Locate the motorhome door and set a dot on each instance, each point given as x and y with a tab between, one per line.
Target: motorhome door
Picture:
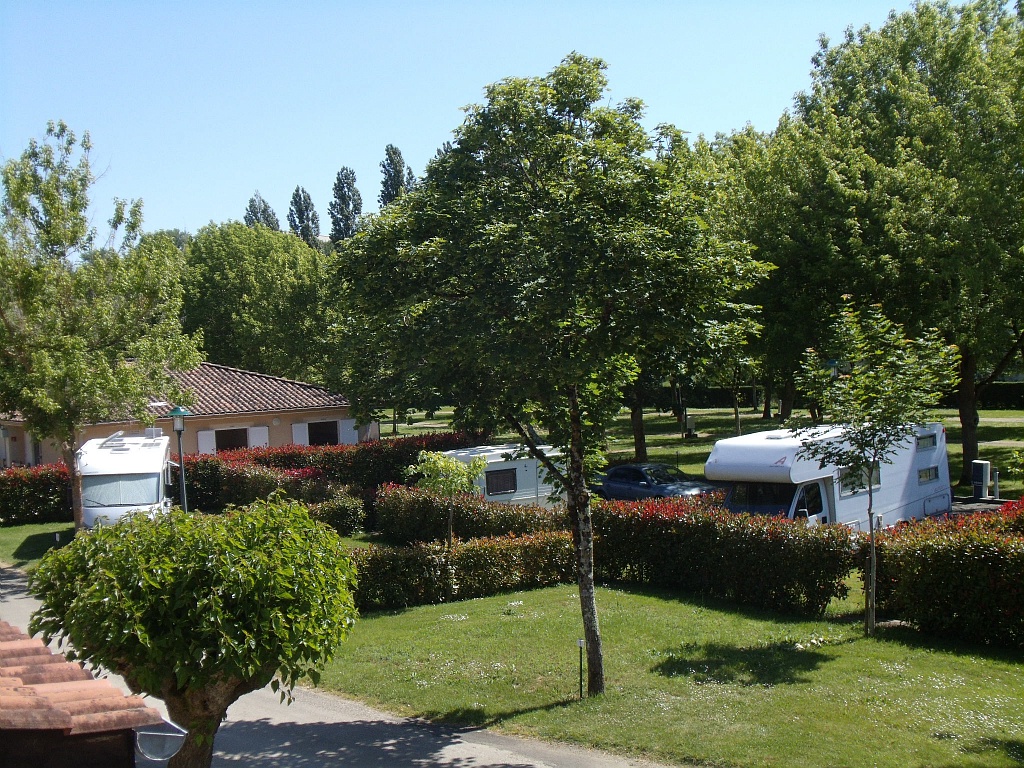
811	504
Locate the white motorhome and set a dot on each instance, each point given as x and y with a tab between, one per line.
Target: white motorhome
123	473
764	473
511	475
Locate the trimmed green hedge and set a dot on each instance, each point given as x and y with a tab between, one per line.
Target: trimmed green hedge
406	515
35	495
427	573
343	513
961	577
694	545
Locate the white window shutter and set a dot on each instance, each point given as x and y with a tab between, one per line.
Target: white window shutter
347	432
300	434
207	441
259	437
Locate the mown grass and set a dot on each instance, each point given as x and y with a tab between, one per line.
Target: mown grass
693	682
23	545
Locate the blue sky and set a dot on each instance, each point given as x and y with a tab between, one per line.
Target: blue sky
192	106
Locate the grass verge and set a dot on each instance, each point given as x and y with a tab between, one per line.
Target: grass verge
23	545
691	682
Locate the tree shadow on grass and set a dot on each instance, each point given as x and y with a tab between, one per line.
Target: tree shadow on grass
899	633
481	717
1012	748
36	545
774	664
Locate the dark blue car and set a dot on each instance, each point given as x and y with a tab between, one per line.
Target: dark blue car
633	482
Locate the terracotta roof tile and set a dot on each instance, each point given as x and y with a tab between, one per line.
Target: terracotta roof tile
41	690
219	390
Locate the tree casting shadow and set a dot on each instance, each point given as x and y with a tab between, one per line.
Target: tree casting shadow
777	664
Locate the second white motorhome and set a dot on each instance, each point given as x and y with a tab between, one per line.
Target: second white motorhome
764	473
511	475
123	473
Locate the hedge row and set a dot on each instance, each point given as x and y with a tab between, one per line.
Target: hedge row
35	495
406	515
694	545
428	573
961	577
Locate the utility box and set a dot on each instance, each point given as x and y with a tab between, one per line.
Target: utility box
981	476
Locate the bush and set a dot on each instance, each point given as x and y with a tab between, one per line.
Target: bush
35	495
243	484
405	515
694	545
961	577
427	573
343	513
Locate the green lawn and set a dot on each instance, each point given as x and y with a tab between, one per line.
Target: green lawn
691	682
23	545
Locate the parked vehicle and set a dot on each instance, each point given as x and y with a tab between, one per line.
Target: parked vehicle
123	473
765	474
648	481
511	474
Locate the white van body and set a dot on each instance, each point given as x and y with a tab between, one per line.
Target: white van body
511	475
764	474
123	473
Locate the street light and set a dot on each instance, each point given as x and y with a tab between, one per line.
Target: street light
178	425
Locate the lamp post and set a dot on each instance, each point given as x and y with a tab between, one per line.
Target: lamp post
178	425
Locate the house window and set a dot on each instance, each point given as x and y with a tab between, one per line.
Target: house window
847	486
323	432
926	441
928	475
232	439
501	481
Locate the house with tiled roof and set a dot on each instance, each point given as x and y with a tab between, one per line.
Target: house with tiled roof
231	408
55	713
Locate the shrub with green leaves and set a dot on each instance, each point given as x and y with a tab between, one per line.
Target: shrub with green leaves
201	609
342	512
960	577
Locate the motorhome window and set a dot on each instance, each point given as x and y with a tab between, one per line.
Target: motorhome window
929	475
810	500
849	486
232	439
761	497
120	490
927	441
323	432
501	481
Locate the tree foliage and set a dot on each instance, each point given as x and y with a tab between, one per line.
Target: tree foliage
259	212
878	386
198	610
303	219
397	179
87	334
552	239
258	297
346	206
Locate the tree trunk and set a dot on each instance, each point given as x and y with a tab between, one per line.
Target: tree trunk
636	420
578	498
872	572
68	451
967	405
787	399
766	410
736	411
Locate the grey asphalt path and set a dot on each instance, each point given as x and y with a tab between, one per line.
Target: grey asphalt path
319	729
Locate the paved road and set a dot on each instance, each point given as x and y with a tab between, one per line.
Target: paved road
319	729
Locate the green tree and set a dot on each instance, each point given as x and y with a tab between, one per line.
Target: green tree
87	335
446	476
889	386
346	206
928	113
259	212
397	177
303	219
539	252
205	608
258	296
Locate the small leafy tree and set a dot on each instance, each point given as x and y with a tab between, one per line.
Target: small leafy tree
447	476
199	610
258	211
888	384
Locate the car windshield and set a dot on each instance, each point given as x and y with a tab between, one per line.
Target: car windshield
120	490
666	475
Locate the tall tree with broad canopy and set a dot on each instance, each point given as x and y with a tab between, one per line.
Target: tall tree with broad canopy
199	610
551	241
887	386
346	206
258	297
933	177
303	219
397	178
258	211
87	334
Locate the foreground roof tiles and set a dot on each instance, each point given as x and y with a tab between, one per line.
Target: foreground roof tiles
41	690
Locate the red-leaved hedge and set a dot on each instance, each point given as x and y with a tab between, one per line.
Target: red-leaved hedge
35	495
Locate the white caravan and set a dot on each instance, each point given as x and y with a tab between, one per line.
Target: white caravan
122	473
763	473
511	474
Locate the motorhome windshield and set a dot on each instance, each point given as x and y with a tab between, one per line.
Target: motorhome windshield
761	498
121	490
